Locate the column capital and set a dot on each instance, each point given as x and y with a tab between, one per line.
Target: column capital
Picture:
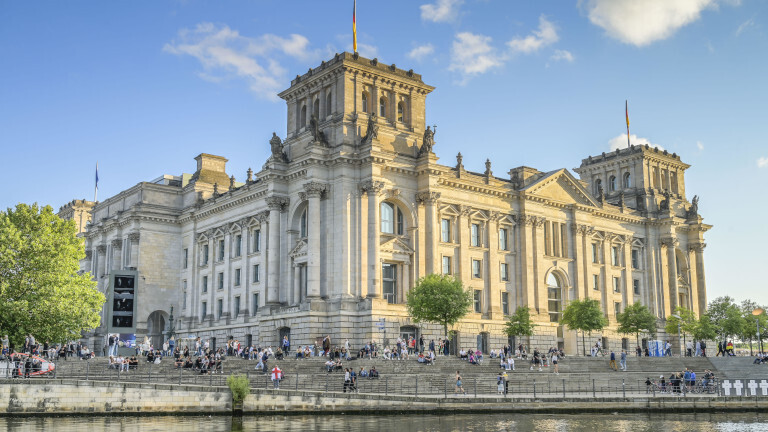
697	247
372	186
427	197
116	243
134	236
669	242
315	189
101	249
278	203
262	216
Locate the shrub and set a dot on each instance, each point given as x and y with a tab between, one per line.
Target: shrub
240	386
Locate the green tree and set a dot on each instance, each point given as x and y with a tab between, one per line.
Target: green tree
520	323
636	319
41	290
726	317
584	315
704	329
686	323
439	299
750	322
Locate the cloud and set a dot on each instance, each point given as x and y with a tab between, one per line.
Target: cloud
762	162
421	51
225	54
441	10
545	35
620	142
744	26
472	54
699	145
640	23
562	55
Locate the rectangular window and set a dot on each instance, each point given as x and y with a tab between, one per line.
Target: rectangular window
205	284
221	250
238	244
475	239
594	253
257	240
596	282
505	303
237	305
615	256
205	254
554	303
237	277
616	284
617	308
446	265
221	281
204	310
256	275
635	259
504	272
389	282
476	271
184	292
185	254
219	308
445	230
503	239
636	286
254	303
478	305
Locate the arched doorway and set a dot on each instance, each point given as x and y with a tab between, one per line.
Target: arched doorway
281	333
155	328
555	304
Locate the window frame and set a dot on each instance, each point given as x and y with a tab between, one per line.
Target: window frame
477	301
503	239
616	284
477	268
254	303
505	303
204	281
238	245
238	274
596	282
256	276
446	264
220	281
203	309
390	297
236	307
474	235
221	250
445	230
504	272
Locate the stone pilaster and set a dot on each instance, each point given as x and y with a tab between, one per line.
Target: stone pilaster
372	189
276	205
313	190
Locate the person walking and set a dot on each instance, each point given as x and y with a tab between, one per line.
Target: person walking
459	385
612	362
286	345
555	368
623	360
277	375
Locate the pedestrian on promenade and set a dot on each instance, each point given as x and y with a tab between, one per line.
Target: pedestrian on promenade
555	369
277	375
458	384
505	377
499	384
612	362
623	360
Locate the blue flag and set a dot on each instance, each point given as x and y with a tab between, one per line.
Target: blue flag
96	185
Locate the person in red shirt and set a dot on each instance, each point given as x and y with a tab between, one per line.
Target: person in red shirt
277	375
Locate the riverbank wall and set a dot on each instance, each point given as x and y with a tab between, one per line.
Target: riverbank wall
61	397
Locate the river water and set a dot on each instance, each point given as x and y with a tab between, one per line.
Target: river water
741	422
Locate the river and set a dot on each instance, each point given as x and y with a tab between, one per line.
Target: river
741	422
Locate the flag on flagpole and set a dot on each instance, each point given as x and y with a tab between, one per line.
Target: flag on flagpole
626	113
96	184
354	26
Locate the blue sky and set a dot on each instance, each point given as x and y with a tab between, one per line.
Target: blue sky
143	87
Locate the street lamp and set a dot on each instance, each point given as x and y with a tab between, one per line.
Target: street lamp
757	312
678	333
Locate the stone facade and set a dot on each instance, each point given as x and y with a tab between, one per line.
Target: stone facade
352	208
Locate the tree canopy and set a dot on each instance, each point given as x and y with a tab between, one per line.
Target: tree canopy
636	319
41	292
687	321
584	315
726	317
439	299
520	323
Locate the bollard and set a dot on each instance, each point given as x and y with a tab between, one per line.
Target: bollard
563	388
534	389
593	388
623	389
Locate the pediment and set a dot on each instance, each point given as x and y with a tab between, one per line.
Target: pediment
396	246
299	250
562	187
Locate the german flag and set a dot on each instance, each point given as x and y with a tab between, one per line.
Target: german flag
354	26
626	113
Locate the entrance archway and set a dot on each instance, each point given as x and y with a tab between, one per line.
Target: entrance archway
155	328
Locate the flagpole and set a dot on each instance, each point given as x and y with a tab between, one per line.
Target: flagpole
626	113
96	184
354	26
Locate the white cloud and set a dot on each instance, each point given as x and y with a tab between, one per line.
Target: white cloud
225	54
762	162
562	55
545	35
367	51
441	10
421	51
643	22
744	26
620	142
472	54
699	145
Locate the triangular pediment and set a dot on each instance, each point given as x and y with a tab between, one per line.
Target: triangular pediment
562	187
299	250
396	246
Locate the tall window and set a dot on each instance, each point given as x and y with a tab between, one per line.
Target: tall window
477	300
400	112
184	292
627	180
615	255
383	107
204	310
612	183
254	303
635	259
554	297
221	250
505	303
616	308
237	277
504	272
316	108
476	269
475	239
238	244
205	284
256	275
186	257
616	284
365	102
445	230
596	282
446	265
219	308
303	116
389	282
391	219
598	186
205	254
328	104
221	281
594	253
303	225
237	305
257	240
636	286
503	239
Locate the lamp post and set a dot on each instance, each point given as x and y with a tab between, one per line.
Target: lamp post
757	312
171	326
678	333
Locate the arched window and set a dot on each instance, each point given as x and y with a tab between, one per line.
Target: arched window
392	220
612	183
303	118
554	297
303	224
328	104
627	181
383	107
400	112
598	186
365	102
316	108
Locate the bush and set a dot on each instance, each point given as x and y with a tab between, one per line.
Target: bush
240	386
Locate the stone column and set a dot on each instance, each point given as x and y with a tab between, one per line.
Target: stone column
101	251
117	254
463	228
429	199
133	249
296	283
670	243
276	205
494	284
372	189
629	290
701	285
313	190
